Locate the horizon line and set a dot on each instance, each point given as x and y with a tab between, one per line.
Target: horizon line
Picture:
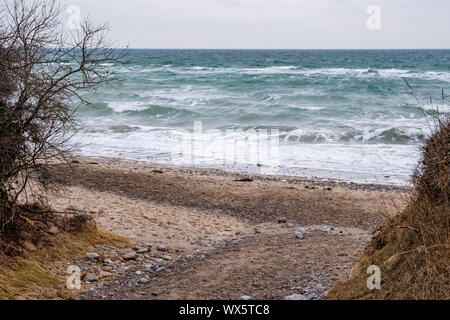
286	49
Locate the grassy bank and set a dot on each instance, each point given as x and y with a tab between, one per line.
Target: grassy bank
413	249
35	254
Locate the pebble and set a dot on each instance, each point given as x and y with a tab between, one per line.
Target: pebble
138	273
299	235
160	269
104	274
130	255
92	255
168	258
245	298
189	257
143	250
295	297
311	296
101	213
155	294
282	220
53	230
90	278
162	248
144	280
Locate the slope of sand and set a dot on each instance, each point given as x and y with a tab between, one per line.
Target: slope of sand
224	234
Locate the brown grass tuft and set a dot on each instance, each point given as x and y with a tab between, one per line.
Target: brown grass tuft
413	249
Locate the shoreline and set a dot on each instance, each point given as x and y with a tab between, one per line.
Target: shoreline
244	173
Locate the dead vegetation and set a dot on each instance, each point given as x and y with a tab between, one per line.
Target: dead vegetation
413	249
35	253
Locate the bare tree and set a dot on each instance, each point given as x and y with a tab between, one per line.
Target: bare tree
44	70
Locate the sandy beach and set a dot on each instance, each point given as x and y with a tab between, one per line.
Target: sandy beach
221	235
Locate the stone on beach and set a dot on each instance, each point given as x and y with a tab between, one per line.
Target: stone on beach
53	230
282	220
92	255
144	280
162	248
105	274
295	297
311	296
130	255
299	235
91	278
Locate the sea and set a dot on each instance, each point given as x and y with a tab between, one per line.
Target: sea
341	114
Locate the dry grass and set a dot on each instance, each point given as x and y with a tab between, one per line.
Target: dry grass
413	249
36	269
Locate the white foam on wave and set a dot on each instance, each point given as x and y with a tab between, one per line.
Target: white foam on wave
123	106
294	70
374	162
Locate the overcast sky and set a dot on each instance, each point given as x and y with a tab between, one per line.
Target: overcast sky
272	24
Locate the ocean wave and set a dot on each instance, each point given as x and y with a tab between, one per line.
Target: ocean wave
159	111
119	106
123	128
388	135
291	70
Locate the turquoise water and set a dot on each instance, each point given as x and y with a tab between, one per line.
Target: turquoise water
339	113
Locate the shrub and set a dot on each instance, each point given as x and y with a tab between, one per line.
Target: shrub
37	92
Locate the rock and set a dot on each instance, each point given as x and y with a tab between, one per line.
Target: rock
148	245
53	230
311	296
108	262
155	294
162	248
138	273
107	268
189	257
105	274
245	298
90	278
144	280
299	235
295	297
130	255
92	255
102	213
160	269
282	220
257	230
142	250
168	258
